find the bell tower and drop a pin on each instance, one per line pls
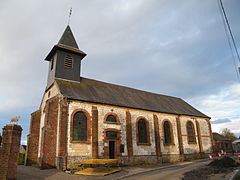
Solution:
(65, 59)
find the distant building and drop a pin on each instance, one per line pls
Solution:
(23, 148)
(236, 145)
(221, 143)
(81, 118)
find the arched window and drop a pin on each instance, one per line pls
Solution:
(190, 132)
(111, 118)
(79, 127)
(167, 133)
(142, 131)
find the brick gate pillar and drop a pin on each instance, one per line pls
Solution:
(9, 151)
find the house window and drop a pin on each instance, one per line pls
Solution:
(79, 127)
(68, 61)
(167, 133)
(191, 132)
(142, 131)
(111, 118)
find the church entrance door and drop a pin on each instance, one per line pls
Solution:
(111, 149)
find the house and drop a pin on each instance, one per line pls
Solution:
(236, 145)
(22, 149)
(81, 118)
(221, 144)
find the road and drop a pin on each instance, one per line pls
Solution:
(174, 172)
(167, 172)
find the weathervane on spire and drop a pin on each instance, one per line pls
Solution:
(70, 13)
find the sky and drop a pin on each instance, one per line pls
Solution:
(171, 47)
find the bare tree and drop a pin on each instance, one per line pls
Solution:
(228, 134)
(0, 140)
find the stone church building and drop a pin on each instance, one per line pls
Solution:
(81, 118)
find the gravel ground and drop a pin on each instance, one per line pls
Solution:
(217, 169)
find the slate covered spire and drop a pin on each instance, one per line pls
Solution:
(65, 59)
(66, 43)
(68, 38)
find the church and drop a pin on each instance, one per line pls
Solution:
(81, 118)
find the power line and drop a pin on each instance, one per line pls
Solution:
(230, 30)
(227, 26)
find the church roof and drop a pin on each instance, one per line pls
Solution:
(100, 92)
(67, 43)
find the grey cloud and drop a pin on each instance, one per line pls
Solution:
(168, 47)
(220, 121)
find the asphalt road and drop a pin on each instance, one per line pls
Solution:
(173, 172)
(168, 172)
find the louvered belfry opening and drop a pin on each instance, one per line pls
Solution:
(68, 61)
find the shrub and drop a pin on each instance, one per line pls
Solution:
(21, 158)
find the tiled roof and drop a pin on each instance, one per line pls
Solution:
(100, 92)
(219, 137)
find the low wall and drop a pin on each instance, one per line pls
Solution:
(140, 160)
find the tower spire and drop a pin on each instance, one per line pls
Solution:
(68, 39)
(67, 43)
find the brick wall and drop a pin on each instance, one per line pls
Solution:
(157, 136)
(129, 134)
(179, 132)
(62, 151)
(49, 134)
(9, 151)
(94, 132)
(33, 139)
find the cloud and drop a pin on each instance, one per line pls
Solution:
(160, 46)
(220, 121)
(222, 107)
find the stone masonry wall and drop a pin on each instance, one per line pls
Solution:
(83, 150)
(133, 151)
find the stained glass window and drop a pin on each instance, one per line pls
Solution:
(191, 133)
(142, 131)
(167, 133)
(79, 127)
(111, 118)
